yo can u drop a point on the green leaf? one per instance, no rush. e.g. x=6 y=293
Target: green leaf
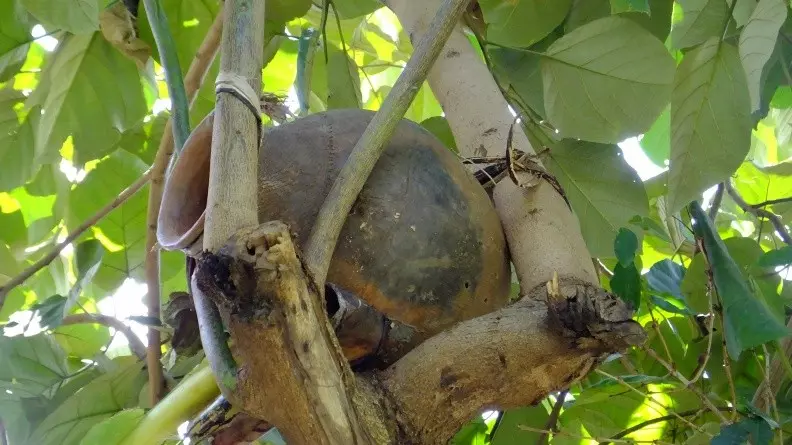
x=114 y=430
x=656 y=142
x=88 y=255
x=74 y=16
x=589 y=174
x=710 y=121
x=658 y=22
x=508 y=431
x=625 y=246
x=51 y=311
x=343 y=82
x=15 y=38
x=32 y=366
x=90 y=91
x=281 y=11
x=618 y=6
x=439 y=127
x=755 y=429
x=518 y=73
x=769 y=183
x=522 y=23
x=122 y=231
x=83 y=340
x=17 y=152
x=741 y=332
x=701 y=20
x=626 y=283
x=473 y=433
x=14 y=232
x=605 y=81
x=95 y=402
x=757 y=42
x=348 y=9
x=776 y=258
x=666 y=276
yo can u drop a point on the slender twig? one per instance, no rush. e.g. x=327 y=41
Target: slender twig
x=729 y=377
x=644 y=424
x=707 y=402
x=366 y=152
x=589 y=438
x=650 y=399
x=192 y=82
x=772 y=402
x=716 y=202
x=656 y=328
x=87 y=224
x=135 y=345
x=552 y=420
x=703 y=365
x=770 y=202
x=600 y=266
x=759 y=212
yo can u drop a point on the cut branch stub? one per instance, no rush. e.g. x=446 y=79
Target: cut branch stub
x=291 y=368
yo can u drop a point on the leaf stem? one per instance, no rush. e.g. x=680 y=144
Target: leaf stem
x=371 y=144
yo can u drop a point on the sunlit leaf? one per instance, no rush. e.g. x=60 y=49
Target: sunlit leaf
x=701 y=20
x=589 y=173
x=439 y=127
x=656 y=142
x=606 y=81
x=114 y=430
x=757 y=42
x=355 y=8
x=97 y=401
x=508 y=431
x=710 y=122
x=741 y=332
x=91 y=92
x=74 y=16
x=522 y=23
x=82 y=340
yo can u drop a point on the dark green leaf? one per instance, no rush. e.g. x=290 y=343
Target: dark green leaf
x=522 y=23
x=618 y=6
x=710 y=121
x=51 y=311
x=675 y=307
x=97 y=401
x=741 y=332
x=114 y=430
x=589 y=173
x=666 y=276
x=343 y=82
x=776 y=258
x=754 y=429
x=607 y=80
x=701 y=20
x=626 y=283
x=32 y=366
x=74 y=16
x=88 y=255
x=438 y=126
x=625 y=246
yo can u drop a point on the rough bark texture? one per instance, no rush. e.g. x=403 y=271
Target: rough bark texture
x=291 y=373
x=543 y=234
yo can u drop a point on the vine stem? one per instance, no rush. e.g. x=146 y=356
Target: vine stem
x=135 y=345
x=371 y=144
x=87 y=224
x=192 y=82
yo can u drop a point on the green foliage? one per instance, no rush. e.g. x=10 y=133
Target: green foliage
x=703 y=85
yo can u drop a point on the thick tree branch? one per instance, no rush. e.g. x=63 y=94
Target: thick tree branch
x=87 y=224
x=716 y=202
x=364 y=156
x=774 y=219
x=135 y=345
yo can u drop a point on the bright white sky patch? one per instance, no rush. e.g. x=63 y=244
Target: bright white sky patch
x=47 y=42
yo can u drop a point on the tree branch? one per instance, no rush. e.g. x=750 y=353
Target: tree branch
x=332 y=215
x=716 y=202
x=770 y=202
x=552 y=420
x=192 y=82
x=135 y=344
x=774 y=219
x=87 y=224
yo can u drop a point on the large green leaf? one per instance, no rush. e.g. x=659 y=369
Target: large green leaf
x=519 y=74
x=15 y=38
x=114 y=430
x=32 y=366
x=658 y=22
x=16 y=146
x=760 y=184
x=343 y=82
x=508 y=431
x=701 y=19
x=91 y=92
x=656 y=142
x=74 y=16
x=97 y=401
x=589 y=174
x=737 y=300
x=348 y=9
x=710 y=121
x=122 y=231
x=757 y=42
x=82 y=340
x=606 y=81
x=522 y=23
